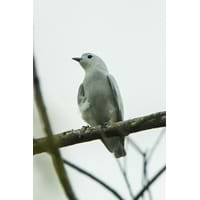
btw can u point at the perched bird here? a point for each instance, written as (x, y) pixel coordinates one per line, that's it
(99, 99)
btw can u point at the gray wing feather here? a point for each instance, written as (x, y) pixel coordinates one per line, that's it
(116, 97)
(81, 95)
(119, 140)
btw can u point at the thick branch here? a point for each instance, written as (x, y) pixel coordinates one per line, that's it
(72, 137)
(55, 154)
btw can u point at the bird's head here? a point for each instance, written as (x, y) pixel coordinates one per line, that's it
(90, 61)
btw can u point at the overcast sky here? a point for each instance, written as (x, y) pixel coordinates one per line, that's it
(129, 36)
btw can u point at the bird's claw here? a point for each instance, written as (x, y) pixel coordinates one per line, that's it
(104, 125)
(83, 128)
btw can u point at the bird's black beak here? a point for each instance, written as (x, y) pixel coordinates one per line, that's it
(77, 59)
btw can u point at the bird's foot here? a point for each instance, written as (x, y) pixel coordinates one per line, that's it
(84, 128)
(105, 125)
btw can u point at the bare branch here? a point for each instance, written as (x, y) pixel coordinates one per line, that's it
(141, 192)
(135, 146)
(145, 176)
(147, 157)
(55, 154)
(72, 137)
(88, 174)
(150, 153)
(123, 172)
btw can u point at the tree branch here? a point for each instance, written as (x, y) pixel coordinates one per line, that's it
(157, 142)
(55, 154)
(124, 174)
(145, 178)
(88, 174)
(127, 127)
(141, 192)
(135, 146)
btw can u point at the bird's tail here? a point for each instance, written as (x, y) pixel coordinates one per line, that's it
(115, 145)
(120, 151)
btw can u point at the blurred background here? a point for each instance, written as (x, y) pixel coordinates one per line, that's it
(129, 36)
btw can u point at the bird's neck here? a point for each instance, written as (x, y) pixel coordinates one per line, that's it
(96, 68)
(91, 73)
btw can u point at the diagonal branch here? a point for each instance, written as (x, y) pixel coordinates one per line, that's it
(145, 177)
(124, 174)
(88, 174)
(141, 192)
(156, 120)
(152, 150)
(135, 146)
(55, 154)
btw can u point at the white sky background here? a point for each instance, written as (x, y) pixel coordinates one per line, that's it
(130, 37)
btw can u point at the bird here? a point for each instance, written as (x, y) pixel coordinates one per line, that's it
(99, 100)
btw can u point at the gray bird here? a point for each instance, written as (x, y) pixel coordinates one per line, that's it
(99, 99)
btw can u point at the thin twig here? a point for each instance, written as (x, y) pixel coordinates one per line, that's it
(123, 172)
(148, 190)
(144, 173)
(135, 146)
(131, 126)
(55, 154)
(155, 177)
(160, 136)
(125, 159)
(147, 157)
(88, 174)
(145, 176)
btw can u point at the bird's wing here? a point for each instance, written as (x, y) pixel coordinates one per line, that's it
(116, 97)
(81, 95)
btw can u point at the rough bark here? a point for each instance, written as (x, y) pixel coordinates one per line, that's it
(86, 134)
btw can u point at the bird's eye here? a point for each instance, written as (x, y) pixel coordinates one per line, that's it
(89, 56)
